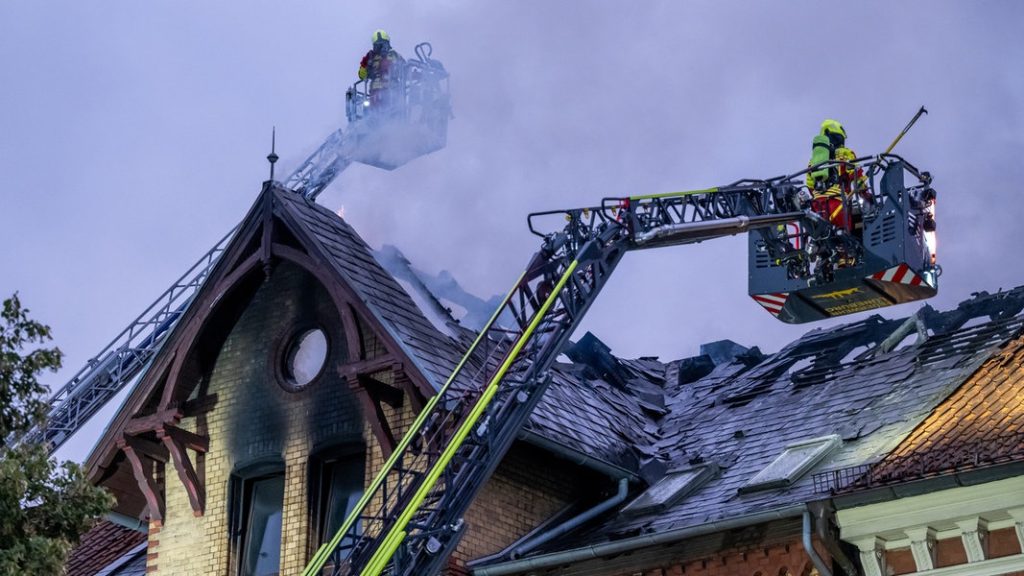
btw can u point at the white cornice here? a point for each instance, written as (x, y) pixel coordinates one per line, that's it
(939, 507)
(896, 544)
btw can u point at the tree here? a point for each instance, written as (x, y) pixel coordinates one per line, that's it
(44, 506)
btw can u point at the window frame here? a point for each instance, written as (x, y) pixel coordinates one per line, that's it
(647, 503)
(240, 502)
(823, 446)
(286, 348)
(320, 464)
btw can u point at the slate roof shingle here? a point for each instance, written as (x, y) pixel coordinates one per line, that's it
(741, 416)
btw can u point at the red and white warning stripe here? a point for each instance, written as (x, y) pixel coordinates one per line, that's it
(772, 302)
(901, 274)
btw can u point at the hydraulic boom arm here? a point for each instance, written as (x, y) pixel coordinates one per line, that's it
(409, 519)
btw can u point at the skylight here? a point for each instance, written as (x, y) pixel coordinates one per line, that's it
(670, 489)
(793, 463)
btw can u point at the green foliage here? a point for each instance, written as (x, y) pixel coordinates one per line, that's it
(21, 403)
(44, 506)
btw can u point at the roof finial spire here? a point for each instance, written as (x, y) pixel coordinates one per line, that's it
(272, 157)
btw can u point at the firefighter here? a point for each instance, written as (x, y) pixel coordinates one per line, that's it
(830, 186)
(384, 69)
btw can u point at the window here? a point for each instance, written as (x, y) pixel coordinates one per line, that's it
(793, 463)
(338, 486)
(258, 505)
(672, 488)
(304, 358)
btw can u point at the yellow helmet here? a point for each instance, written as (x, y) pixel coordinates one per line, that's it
(831, 126)
(380, 36)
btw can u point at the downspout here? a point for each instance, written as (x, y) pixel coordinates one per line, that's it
(504, 553)
(575, 521)
(809, 546)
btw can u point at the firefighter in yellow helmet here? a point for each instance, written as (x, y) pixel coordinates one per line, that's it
(384, 69)
(832, 184)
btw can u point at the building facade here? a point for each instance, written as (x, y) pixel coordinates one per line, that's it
(306, 355)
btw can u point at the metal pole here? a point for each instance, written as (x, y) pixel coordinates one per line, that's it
(906, 129)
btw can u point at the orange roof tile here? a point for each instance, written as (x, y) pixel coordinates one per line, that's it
(981, 423)
(100, 546)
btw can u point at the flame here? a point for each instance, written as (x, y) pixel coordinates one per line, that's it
(930, 238)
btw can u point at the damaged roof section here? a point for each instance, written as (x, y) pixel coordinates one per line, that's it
(737, 410)
(440, 297)
(577, 415)
(978, 428)
(731, 410)
(434, 352)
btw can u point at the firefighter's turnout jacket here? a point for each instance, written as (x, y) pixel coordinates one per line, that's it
(383, 68)
(831, 185)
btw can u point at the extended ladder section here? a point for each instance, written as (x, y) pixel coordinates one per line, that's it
(409, 520)
(323, 166)
(121, 360)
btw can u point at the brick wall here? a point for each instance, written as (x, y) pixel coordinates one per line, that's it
(254, 419)
(528, 487)
(772, 549)
(783, 560)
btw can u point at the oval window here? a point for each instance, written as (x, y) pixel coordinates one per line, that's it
(305, 358)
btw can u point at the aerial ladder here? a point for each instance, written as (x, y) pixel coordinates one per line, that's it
(409, 519)
(414, 124)
(117, 364)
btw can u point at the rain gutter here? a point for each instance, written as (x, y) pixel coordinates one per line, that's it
(575, 521)
(578, 457)
(629, 544)
(917, 487)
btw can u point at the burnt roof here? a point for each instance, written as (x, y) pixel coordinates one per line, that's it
(741, 412)
(434, 354)
(578, 413)
(731, 407)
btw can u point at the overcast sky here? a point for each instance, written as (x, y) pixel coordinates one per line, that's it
(133, 135)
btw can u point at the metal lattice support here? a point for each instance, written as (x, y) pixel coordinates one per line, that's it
(123, 358)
